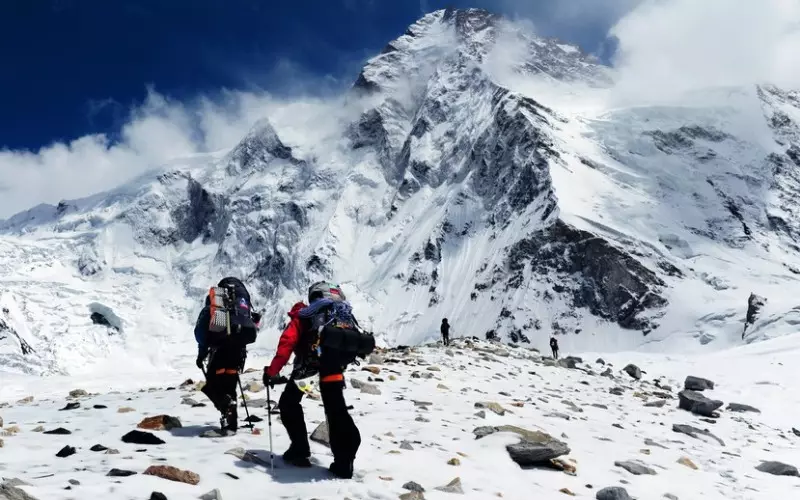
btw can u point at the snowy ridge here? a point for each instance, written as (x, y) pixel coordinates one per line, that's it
(475, 171)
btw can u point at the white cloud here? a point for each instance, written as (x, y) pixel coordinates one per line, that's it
(668, 47)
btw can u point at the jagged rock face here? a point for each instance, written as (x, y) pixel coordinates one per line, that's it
(446, 194)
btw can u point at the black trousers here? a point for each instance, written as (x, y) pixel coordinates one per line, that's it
(555, 353)
(446, 338)
(345, 438)
(222, 376)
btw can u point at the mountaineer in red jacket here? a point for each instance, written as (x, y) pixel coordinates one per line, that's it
(324, 337)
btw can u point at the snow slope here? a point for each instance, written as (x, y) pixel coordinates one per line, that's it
(427, 400)
(474, 171)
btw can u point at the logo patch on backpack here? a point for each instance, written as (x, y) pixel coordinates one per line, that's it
(243, 304)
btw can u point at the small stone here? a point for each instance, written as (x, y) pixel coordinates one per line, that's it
(71, 406)
(617, 391)
(567, 491)
(141, 437)
(78, 393)
(172, 474)
(157, 495)
(697, 384)
(687, 462)
(405, 445)
(633, 371)
(59, 432)
(453, 486)
(412, 495)
(481, 414)
(125, 409)
(778, 469)
(38, 428)
(434, 369)
(214, 494)
(120, 473)
(255, 387)
(636, 468)
(160, 423)
(454, 461)
(742, 408)
(100, 407)
(25, 400)
(613, 493)
(74, 482)
(491, 405)
(321, 435)
(656, 404)
(392, 378)
(412, 486)
(565, 466)
(111, 451)
(695, 432)
(66, 451)
(600, 361)
(2, 443)
(670, 496)
(372, 369)
(98, 447)
(442, 387)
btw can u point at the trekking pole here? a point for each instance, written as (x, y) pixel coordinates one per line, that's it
(244, 402)
(269, 424)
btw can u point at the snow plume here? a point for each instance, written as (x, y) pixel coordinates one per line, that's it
(667, 47)
(159, 130)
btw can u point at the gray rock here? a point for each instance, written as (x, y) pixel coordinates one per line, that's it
(10, 491)
(670, 496)
(778, 469)
(796, 432)
(697, 384)
(453, 486)
(188, 401)
(120, 473)
(320, 435)
(376, 359)
(246, 456)
(528, 454)
(697, 403)
(481, 414)
(608, 373)
(601, 406)
(370, 389)
(650, 442)
(405, 445)
(636, 468)
(600, 361)
(212, 495)
(695, 432)
(617, 391)
(613, 493)
(741, 408)
(412, 495)
(633, 371)
(412, 486)
(656, 404)
(78, 393)
(568, 362)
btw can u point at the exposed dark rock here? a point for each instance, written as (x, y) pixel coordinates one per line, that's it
(534, 448)
(412, 486)
(697, 403)
(59, 431)
(697, 384)
(633, 371)
(157, 495)
(141, 437)
(71, 406)
(98, 447)
(320, 435)
(778, 469)
(568, 362)
(695, 432)
(636, 468)
(160, 423)
(741, 408)
(600, 361)
(754, 305)
(99, 407)
(66, 452)
(120, 473)
(613, 493)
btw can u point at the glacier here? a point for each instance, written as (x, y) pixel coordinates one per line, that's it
(474, 171)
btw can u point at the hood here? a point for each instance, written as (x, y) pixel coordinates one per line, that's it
(296, 308)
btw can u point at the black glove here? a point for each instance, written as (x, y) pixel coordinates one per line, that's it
(256, 318)
(273, 381)
(201, 357)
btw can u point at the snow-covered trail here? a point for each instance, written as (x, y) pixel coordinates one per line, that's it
(423, 418)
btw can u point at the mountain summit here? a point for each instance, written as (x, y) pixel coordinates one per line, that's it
(470, 180)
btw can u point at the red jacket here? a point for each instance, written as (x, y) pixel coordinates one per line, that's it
(287, 342)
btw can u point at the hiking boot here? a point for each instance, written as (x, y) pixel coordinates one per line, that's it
(231, 418)
(342, 470)
(291, 457)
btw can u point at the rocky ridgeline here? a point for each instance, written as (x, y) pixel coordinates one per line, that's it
(388, 374)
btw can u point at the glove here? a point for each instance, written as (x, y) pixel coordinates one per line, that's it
(274, 380)
(199, 362)
(257, 319)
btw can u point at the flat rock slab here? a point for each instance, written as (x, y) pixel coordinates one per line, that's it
(778, 469)
(10, 491)
(742, 408)
(535, 447)
(141, 437)
(695, 432)
(697, 384)
(172, 474)
(636, 468)
(120, 473)
(59, 432)
(697, 403)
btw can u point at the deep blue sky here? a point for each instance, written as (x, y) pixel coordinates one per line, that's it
(73, 67)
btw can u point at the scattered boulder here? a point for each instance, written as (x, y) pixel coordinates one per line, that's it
(120, 473)
(796, 432)
(695, 432)
(71, 406)
(600, 361)
(405, 445)
(78, 393)
(697, 403)
(372, 369)
(736, 407)
(608, 373)
(125, 409)
(656, 404)
(529, 453)
(189, 402)
(613, 493)
(567, 491)
(141, 437)
(454, 461)
(100, 407)
(214, 494)
(688, 463)
(60, 431)
(98, 447)
(697, 384)
(157, 495)
(490, 405)
(480, 414)
(172, 474)
(321, 435)
(453, 486)
(66, 451)
(412, 486)
(412, 495)
(569, 362)
(160, 423)
(617, 391)
(636, 468)
(10, 490)
(778, 469)
(634, 371)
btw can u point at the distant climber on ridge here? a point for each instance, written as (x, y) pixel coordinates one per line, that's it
(554, 346)
(324, 337)
(224, 327)
(445, 329)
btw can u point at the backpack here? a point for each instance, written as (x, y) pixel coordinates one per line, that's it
(230, 312)
(332, 338)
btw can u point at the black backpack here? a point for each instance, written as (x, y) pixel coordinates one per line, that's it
(231, 315)
(331, 339)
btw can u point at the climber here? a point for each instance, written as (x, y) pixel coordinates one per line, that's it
(224, 327)
(445, 329)
(554, 346)
(324, 337)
